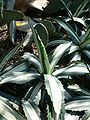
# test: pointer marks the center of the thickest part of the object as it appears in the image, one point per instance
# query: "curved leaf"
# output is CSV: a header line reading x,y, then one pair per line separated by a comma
x,y
16,67
10,53
55,93
68,28
43,33
8,112
72,70
78,103
19,77
57,54
33,60
30,110
33,91
41,51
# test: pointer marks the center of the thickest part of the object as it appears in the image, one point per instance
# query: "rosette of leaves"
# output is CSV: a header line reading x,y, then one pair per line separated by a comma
x,y
80,44
46,91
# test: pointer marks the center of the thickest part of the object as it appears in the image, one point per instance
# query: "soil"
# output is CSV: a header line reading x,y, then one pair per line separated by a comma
x,y
6,44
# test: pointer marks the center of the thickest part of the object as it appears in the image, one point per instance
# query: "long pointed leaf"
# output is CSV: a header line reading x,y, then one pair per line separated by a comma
x,y
68,28
78,103
8,112
54,92
80,8
19,77
30,111
59,51
41,51
33,60
9,97
16,67
9,54
33,91
72,70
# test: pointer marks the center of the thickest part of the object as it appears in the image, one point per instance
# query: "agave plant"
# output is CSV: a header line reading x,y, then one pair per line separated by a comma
x,y
80,45
46,91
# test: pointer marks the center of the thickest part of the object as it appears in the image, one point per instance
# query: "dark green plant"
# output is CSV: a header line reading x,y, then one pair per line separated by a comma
x,y
46,94
46,89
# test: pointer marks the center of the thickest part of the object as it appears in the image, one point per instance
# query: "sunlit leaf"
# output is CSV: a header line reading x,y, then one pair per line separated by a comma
x,y
19,77
54,92
57,54
72,70
30,110
7,111
41,51
68,28
78,103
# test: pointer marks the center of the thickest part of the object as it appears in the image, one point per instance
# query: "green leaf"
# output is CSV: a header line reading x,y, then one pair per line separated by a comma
x,y
43,33
51,29
86,116
72,70
10,53
68,28
33,60
19,77
7,111
80,8
57,54
78,103
54,92
33,91
30,110
86,38
10,15
16,67
41,51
